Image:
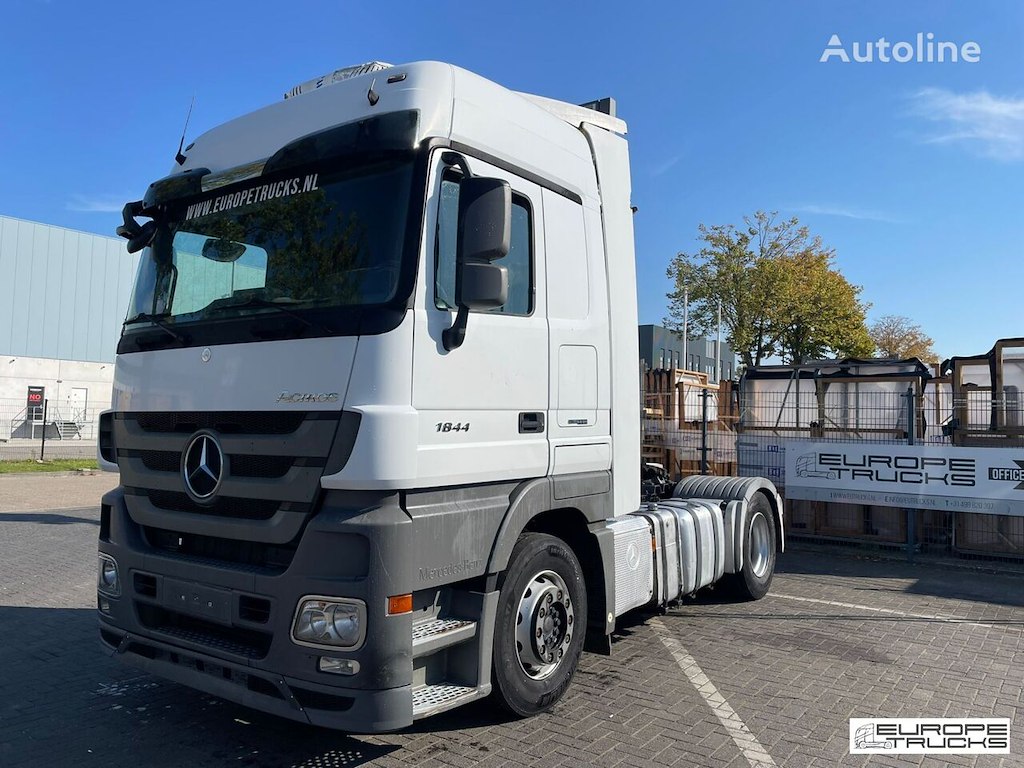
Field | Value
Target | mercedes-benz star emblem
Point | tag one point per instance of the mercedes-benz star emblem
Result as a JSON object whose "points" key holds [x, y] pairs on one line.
{"points": [[203, 466]]}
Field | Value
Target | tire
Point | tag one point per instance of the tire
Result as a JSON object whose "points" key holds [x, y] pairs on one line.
{"points": [[541, 592], [759, 551]]}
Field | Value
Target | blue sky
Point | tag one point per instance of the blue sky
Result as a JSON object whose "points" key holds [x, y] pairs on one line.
{"points": [[912, 172]]}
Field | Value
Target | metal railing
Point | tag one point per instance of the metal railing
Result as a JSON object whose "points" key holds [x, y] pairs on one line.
{"points": [[47, 431], [717, 430]]}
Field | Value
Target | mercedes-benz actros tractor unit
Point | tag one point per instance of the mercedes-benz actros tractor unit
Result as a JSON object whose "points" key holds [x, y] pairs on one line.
{"points": [[376, 409]]}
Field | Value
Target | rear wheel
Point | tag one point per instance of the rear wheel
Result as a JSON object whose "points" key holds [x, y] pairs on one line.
{"points": [[540, 627], [754, 580]]}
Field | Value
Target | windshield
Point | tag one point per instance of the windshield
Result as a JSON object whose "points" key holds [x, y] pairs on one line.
{"points": [[317, 239]]}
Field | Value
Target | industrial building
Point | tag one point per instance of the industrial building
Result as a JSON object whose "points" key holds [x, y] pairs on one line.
{"points": [[663, 348], [63, 296]]}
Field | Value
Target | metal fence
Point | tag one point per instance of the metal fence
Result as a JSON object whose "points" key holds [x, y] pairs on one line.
{"points": [[693, 427], [699, 429], [48, 430]]}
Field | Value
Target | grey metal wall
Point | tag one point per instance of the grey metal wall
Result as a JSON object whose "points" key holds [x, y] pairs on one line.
{"points": [[63, 294], [662, 348]]}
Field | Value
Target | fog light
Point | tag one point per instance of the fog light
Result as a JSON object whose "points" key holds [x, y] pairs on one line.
{"points": [[322, 621], [107, 580], [338, 666], [104, 605]]}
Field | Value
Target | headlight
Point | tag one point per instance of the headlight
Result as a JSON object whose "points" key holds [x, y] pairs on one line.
{"points": [[322, 621], [107, 579]]}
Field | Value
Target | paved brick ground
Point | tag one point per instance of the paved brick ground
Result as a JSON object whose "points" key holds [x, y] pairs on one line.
{"points": [[793, 666], [44, 491]]}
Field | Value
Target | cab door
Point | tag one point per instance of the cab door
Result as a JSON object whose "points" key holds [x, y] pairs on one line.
{"points": [[483, 406]]}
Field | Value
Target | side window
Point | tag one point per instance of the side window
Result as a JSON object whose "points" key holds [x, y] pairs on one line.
{"points": [[444, 245], [519, 260]]}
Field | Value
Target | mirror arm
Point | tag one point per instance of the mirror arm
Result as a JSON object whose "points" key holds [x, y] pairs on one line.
{"points": [[131, 227], [456, 160], [453, 337]]}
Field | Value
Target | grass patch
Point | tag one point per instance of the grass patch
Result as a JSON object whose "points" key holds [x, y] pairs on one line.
{"points": [[57, 465]]}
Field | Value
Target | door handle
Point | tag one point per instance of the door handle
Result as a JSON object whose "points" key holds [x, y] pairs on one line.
{"points": [[531, 422]]}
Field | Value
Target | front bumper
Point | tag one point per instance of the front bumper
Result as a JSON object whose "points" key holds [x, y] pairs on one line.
{"points": [[232, 637], [329, 706]]}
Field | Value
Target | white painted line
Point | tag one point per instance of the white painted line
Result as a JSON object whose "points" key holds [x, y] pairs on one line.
{"points": [[42, 510], [79, 508], [748, 744], [892, 612]]}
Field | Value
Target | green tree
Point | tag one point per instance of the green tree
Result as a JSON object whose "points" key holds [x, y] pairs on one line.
{"points": [[899, 337], [779, 289], [737, 267], [819, 314]]}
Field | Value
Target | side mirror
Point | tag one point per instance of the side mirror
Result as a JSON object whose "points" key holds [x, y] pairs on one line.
{"points": [[485, 219], [484, 286], [143, 237], [484, 235], [137, 235]]}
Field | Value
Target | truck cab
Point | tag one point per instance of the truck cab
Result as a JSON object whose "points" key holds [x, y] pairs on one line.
{"points": [[376, 406]]}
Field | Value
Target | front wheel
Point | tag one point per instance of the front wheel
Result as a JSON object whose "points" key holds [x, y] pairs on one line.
{"points": [[541, 623], [754, 580]]}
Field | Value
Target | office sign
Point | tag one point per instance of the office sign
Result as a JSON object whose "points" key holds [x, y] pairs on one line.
{"points": [[985, 480]]}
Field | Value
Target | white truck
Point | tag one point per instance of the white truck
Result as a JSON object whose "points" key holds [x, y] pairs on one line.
{"points": [[376, 409]]}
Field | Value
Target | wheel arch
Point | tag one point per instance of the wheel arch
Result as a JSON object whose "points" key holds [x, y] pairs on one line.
{"points": [[736, 489], [579, 521]]}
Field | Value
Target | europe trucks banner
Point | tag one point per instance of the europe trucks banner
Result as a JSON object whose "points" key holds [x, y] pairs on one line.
{"points": [[985, 480]]}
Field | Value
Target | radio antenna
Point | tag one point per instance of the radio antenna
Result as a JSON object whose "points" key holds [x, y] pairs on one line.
{"points": [[179, 158]]}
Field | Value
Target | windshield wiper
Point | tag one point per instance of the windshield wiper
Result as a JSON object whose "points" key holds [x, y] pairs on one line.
{"points": [[260, 303], [160, 321]]}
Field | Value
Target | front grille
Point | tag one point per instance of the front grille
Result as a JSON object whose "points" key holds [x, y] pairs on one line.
{"points": [[255, 609], [243, 465], [138, 647], [249, 509], [145, 584], [161, 461], [229, 640], [214, 640], [226, 422], [325, 701], [268, 486], [210, 550]]}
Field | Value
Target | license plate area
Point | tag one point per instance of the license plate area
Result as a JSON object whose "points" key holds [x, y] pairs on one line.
{"points": [[198, 600]]}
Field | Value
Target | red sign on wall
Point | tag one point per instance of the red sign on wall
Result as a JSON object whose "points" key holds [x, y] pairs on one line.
{"points": [[36, 396]]}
